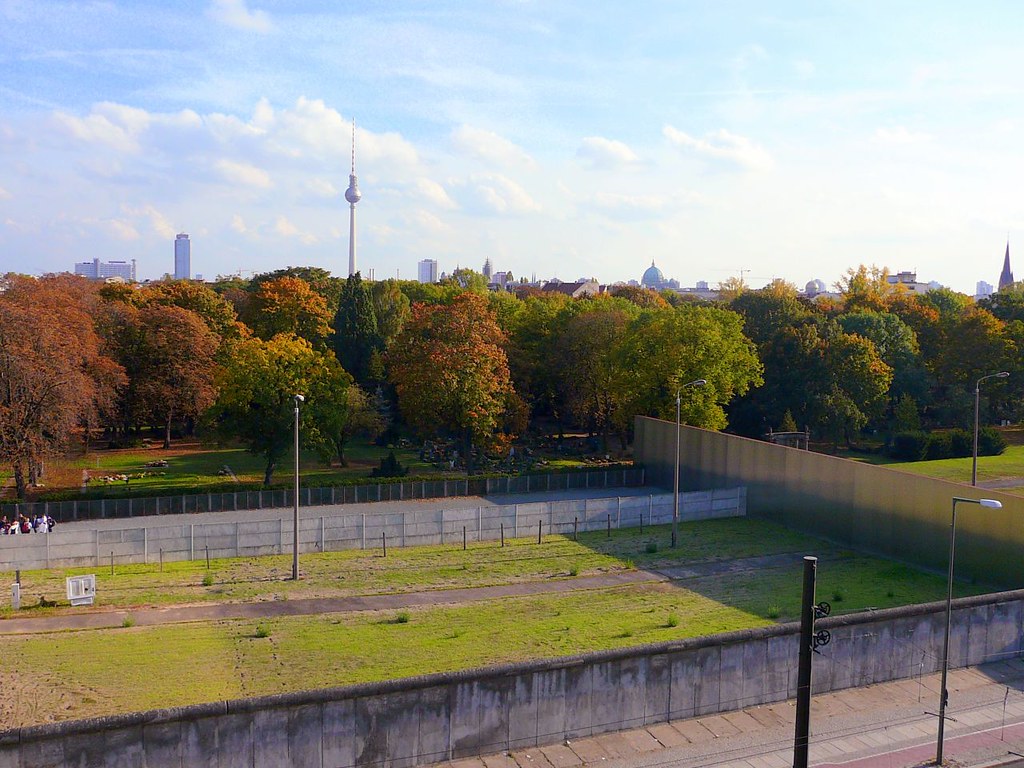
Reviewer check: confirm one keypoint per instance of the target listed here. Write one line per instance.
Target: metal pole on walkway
(803, 685)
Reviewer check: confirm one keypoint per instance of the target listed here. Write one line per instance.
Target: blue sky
(565, 139)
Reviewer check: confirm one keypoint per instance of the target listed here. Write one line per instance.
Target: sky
(566, 139)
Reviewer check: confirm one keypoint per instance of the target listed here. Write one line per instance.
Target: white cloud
(900, 135)
(605, 153)
(244, 174)
(722, 145)
(285, 228)
(322, 188)
(489, 146)
(158, 222)
(500, 194)
(238, 224)
(5, 195)
(234, 13)
(427, 221)
(123, 229)
(434, 193)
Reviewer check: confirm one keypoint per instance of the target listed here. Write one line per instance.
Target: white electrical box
(16, 596)
(82, 589)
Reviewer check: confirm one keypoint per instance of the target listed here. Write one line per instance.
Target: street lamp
(943, 693)
(977, 403)
(295, 519)
(675, 474)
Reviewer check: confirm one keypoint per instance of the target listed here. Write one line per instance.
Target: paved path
(889, 725)
(99, 619)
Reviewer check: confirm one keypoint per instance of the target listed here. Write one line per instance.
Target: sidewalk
(889, 725)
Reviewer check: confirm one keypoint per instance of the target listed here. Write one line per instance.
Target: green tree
(356, 336)
(213, 309)
(391, 309)
(358, 417)
(450, 372)
(318, 279)
(257, 386)
(664, 349)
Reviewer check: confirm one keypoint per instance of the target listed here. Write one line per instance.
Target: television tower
(353, 196)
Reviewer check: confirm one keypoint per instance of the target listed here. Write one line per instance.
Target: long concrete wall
(871, 508)
(440, 717)
(338, 529)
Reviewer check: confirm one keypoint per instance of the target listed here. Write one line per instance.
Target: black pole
(384, 542)
(803, 684)
(538, 531)
(463, 538)
(502, 534)
(575, 525)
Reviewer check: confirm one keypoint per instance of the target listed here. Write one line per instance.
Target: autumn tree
(257, 386)
(451, 373)
(51, 370)
(177, 365)
(645, 298)
(214, 310)
(318, 279)
(288, 305)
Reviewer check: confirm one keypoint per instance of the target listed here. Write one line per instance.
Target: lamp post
(295, 519)
(943, 693)
(675, 473)
(977, 404)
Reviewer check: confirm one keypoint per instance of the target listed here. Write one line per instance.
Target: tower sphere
(352, 194)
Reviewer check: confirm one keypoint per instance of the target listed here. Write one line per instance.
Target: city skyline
(791, 143)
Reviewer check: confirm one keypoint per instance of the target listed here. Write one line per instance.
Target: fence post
(503, 534)
(237, 541)
(442, 526)
(539, 529)
(463, 538)
(362, 533)
(516, 520)
(280, 534)
(323, 532)
(145, 545)
(575, 524)
(609, 526)
(191, 541)
(384, 541)
(96, 537)
(479, 523)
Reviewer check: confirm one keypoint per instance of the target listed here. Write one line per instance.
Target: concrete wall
(871, 508)
(337, 529)
(440, 717)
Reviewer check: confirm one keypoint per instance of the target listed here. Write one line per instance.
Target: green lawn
(361, 572)
(195, 468)
(1008, 464)
(97, 672)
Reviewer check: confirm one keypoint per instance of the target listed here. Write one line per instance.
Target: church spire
(1006, 277)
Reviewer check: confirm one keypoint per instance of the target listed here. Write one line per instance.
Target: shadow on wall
(870, 508)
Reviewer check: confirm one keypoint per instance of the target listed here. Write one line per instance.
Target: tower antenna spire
(353, 196)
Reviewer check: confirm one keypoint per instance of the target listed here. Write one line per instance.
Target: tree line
(455, 361)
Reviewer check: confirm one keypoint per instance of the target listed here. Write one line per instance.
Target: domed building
(655, 280)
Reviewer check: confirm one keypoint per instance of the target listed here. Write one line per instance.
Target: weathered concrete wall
(876, 509)
(439, 717)
(338, 529)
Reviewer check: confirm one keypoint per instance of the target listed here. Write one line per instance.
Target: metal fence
(100, 509)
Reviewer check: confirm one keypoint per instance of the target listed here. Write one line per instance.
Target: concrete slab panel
(162, 744)
(36, 754)
(578, 692)
(116, 748)
(235, 741)
(339, 734)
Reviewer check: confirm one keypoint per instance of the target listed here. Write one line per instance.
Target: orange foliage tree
(450, 372)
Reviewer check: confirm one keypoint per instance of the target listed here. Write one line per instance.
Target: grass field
(193, 466)
(79, 674)
(1009, 464)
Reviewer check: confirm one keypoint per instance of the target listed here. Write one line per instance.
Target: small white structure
(82, 589)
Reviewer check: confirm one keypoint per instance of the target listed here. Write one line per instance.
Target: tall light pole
(943, 693)
(295, 519)
(675, 473)
(977, 405)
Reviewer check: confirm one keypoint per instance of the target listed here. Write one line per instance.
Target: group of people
(21, 524)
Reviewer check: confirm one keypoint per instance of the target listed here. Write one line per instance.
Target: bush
(961, 443)
(909, 446)
(262, 630)
(390, 467)
(940, 446)
(990, 442)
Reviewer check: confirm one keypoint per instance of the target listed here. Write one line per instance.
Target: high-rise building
(487, 269)
(427, 271)
(353, 196)
(1006, 276)
(182, 257)
(983, 290)
(101, 270)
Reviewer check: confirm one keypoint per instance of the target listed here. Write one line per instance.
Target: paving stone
(667, 735)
